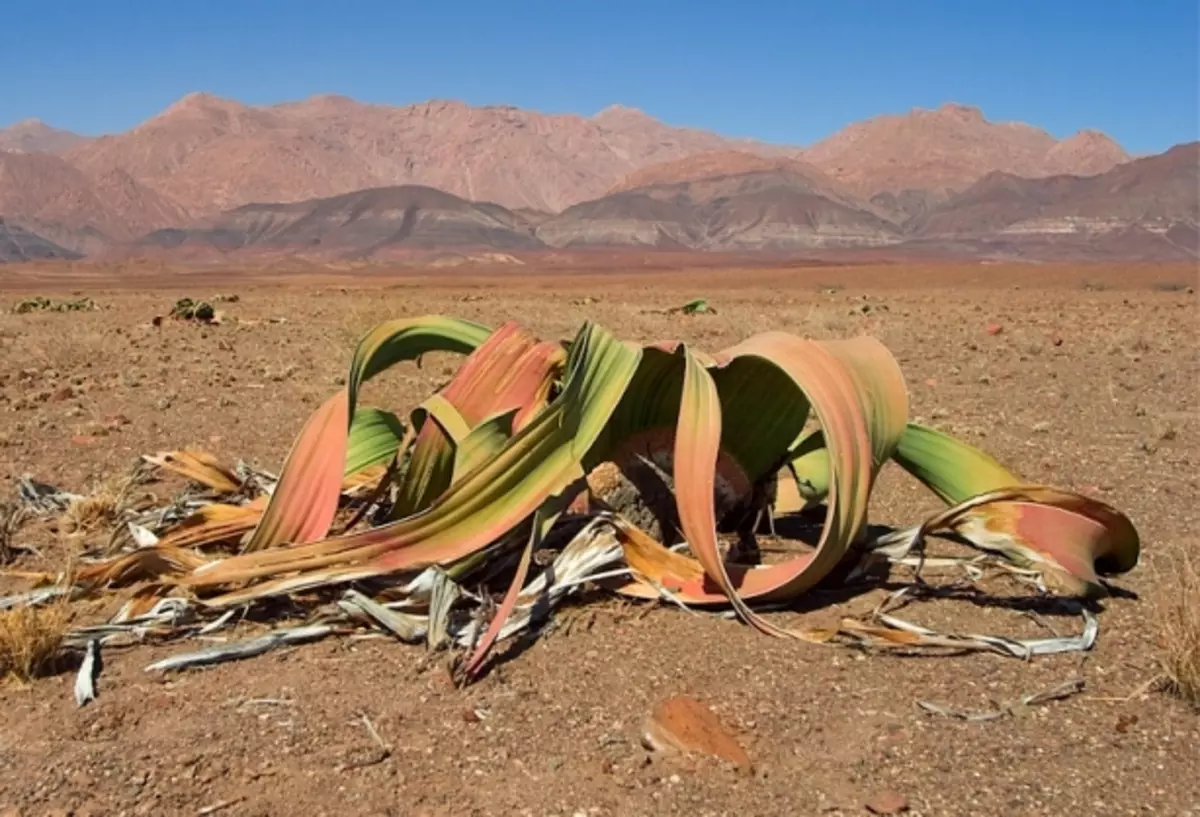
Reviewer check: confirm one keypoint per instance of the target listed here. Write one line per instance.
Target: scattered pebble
(684, 725)
(887, 802)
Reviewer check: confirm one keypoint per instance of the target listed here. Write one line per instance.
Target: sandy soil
(1091, 385)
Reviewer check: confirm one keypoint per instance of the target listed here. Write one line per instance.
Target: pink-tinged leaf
(697, 446)
(881, 392)
(542, 522)
(539, 462)
(1070, 538)
(407, 339)
(1073, 539)
(842, 404)
(510, 371)
(305, 500)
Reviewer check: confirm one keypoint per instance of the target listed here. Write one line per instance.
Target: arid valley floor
(1089, 384)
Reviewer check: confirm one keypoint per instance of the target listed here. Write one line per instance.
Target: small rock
(683, 724)
(63, 394)
(83, 439)
(163, 403)
(993, 329)
(116, 421)
(887, 802)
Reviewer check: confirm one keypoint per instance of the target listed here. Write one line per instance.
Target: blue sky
(789, 71)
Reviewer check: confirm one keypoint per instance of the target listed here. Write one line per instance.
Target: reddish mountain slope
(208, 154)
(951, 148)
(42, 188)
(501, 177)
(35, 136)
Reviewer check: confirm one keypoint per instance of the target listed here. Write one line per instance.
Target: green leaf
(375, 437)
(949, 467)
(538, 463)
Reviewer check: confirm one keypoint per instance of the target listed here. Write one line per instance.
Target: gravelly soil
(1089, 390)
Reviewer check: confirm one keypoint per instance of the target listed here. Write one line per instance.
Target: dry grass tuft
(11, 517)
(1179, 630)
(101, 508)
(31, 639)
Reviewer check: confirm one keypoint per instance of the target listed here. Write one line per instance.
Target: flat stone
(684, 725)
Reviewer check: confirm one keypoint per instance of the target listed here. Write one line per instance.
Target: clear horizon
(757, 72)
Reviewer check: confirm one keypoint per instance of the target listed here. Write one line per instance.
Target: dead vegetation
(11, 516)
(101, 508)
(1179, 629)
(31, 639)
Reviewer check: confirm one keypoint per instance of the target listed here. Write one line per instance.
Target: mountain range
(333, 178)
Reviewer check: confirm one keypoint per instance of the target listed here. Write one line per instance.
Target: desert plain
(1079, 375)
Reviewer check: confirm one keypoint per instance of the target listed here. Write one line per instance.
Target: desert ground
(1090, 384)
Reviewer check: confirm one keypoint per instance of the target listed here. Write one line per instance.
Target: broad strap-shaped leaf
(843, 403)
(511, 371)
(1072, 539)
(376, 437)
(881, 393)
(804, 481)
(396, 341)
(482, 443)
(430, 470)
(143, 564)
(949, 467)
(884, 397)
(305, 501)
(539, 462)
